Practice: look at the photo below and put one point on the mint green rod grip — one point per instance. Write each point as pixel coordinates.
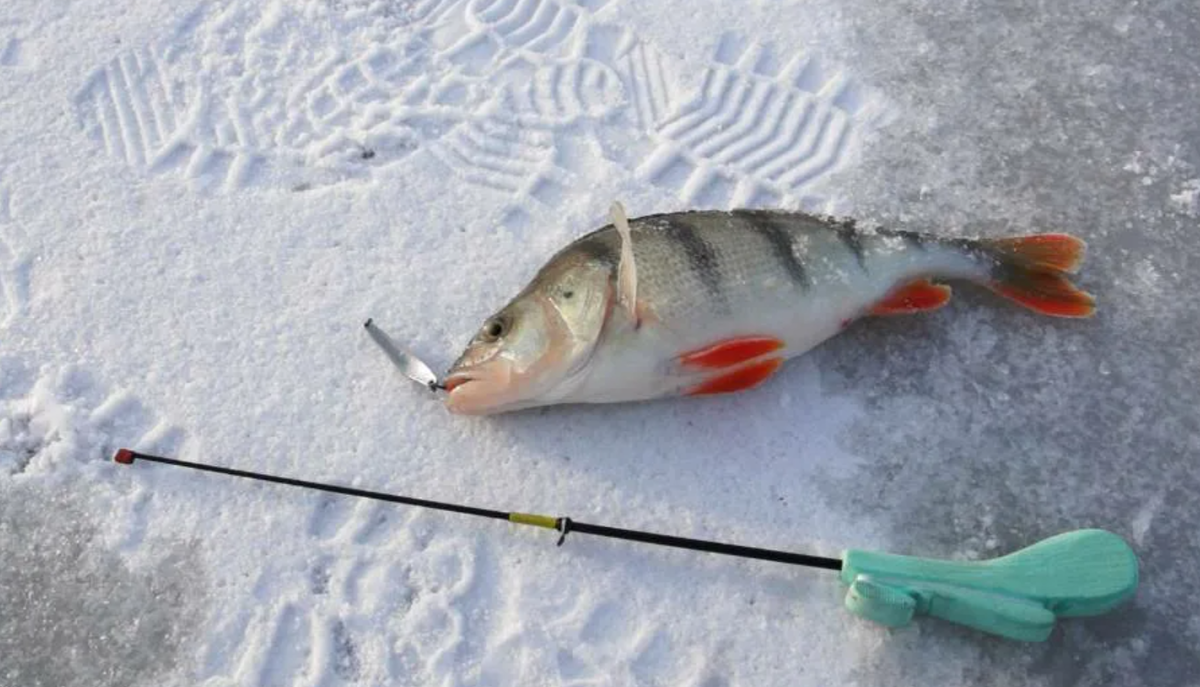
(1019, 596)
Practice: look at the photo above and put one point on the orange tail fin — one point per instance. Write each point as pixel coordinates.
(1054, 252)
(1032, 270)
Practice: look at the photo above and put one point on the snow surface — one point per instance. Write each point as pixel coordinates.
(200, 204)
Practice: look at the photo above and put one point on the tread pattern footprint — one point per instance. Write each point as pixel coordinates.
(512, 96)
(484, 37)
(60, 416)
(588, 641)
(379, 596)
(238, 97)
(134, 109)
(756, 129)
(644, 72)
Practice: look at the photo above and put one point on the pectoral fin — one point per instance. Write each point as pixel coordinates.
(731, 352)
(740, 379)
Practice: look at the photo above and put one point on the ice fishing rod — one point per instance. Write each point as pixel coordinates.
(563, 525)
(1019, 596)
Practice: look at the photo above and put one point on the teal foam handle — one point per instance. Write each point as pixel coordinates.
(1019, 596)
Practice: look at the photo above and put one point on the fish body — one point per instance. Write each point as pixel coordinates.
(720, 300)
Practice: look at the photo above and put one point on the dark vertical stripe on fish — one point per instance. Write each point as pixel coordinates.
(849, 235)
(700, 255)
(595, 247)
(775, 231)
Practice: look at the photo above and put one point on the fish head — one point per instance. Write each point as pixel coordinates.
(531, 351)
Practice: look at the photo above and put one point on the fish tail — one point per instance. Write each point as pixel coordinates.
(1032, 270)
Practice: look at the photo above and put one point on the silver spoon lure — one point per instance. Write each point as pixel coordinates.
(408, 364)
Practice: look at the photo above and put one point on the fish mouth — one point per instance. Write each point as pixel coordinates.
(482, 390)
(456, 380)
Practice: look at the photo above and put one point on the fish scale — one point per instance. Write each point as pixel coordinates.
(714, 302)
(744, 266)
(748, 273)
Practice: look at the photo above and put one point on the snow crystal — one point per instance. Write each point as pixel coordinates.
(1187, 200)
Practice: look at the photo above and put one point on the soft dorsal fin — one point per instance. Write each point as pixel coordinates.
(627, 269)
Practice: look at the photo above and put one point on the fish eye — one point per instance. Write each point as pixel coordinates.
(568, 293)
(493, 329)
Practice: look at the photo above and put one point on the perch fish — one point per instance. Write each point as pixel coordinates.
(710, 302)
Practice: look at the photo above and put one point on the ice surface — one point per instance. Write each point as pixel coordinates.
(201, 204)
(75, 612)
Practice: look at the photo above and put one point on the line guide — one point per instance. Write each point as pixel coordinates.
(1019, 596)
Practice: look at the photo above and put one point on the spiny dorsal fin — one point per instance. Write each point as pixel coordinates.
(627, 270)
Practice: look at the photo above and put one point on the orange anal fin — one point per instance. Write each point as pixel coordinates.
(917, 296)
(738, 380)
(731, 352)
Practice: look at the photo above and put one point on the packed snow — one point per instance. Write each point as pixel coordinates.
(200, 204)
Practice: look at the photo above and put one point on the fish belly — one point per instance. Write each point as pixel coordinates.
(708, 278)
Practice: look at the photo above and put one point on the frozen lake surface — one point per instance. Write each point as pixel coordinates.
(201, 203)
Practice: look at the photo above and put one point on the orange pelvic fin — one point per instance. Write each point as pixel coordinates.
(740, 379)
(917, 296)
(731, 352)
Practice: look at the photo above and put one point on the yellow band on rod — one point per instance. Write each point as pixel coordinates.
(550, 523)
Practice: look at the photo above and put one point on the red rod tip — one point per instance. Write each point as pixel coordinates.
(124, 457)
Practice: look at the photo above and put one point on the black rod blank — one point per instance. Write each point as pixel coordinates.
(708, 546)
(563, 525)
